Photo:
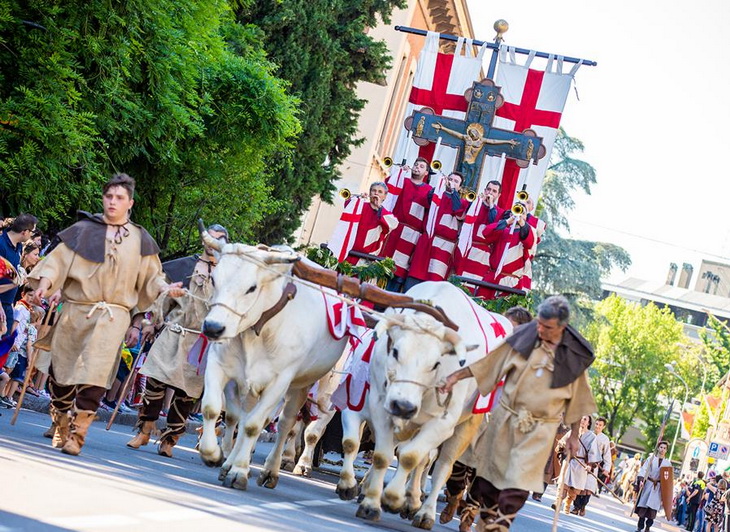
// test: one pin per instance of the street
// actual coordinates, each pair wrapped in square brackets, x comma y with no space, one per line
[111,487]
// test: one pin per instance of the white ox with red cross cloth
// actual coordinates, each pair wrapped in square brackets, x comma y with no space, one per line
[295,348]
[412,355]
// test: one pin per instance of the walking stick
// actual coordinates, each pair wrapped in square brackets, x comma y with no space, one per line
[561,486]
[31,365]
[599,480]
[125,386]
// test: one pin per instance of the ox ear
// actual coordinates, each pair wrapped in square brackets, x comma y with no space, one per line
[381,328]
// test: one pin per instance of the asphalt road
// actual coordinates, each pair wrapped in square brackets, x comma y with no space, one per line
[112,488]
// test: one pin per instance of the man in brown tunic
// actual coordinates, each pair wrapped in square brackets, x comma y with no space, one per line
[168,364]
[104,267]
[544,364]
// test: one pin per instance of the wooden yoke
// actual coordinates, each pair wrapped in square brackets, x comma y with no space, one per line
[353,287]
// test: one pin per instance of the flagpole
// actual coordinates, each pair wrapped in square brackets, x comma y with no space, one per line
[500,27]
[495,46]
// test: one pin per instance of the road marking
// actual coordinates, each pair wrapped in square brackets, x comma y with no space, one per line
[314,502]
[174,515]
[280,506]
[95,521]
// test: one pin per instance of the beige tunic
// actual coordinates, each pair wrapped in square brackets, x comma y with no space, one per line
[167,360]
[511,458]
[86,343]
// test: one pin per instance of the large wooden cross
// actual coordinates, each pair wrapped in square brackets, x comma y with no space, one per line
[474,136]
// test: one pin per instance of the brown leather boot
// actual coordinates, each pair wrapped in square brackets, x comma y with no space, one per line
[143,436]
[452,503]
[166,445]
[80,423]
[50,431]
[62,422]
[468,514]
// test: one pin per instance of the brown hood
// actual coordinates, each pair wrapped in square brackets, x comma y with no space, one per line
[87,237]
[572,356]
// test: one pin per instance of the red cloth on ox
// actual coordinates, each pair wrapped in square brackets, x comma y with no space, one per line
[434,255]
[372,230]
[474,262]
[508,243]
[410,210]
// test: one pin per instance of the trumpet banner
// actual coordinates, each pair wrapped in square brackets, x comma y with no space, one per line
[533,99]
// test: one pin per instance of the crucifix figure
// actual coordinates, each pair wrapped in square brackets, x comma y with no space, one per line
[475,137]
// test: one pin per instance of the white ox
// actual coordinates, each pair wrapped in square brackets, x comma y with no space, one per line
[410,358]
[294,350]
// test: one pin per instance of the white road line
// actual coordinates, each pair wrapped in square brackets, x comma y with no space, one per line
[186,514]
[95,521]
[313,502]
[280,506]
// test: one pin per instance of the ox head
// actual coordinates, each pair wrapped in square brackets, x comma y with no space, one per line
[247,281]
[415,346]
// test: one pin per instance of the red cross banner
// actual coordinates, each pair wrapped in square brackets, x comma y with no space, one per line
[533,99]
[343,238]
[439,83]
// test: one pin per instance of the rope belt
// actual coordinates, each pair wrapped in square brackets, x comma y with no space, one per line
[526,422]
[103,306]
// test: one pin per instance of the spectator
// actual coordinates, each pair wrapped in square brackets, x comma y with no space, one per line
[18,231]
[681,502]
[26,336]
[693,500]
[715,509]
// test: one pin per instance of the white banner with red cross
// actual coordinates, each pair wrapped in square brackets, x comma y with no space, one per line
[440,82]
[533,99]
[343,237]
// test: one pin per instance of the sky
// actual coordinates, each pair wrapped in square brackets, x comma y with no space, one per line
[654,116]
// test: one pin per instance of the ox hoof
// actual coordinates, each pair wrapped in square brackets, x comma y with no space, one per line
[223,473]
[392,505]
[347,494]
[288,465]
[267,479]
[214,460]
[408,513]
[302,471]
[360,498]
[370,514]
[423,521]
[238,481]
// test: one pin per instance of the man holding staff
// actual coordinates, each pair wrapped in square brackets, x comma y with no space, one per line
[544,365]
[104,267]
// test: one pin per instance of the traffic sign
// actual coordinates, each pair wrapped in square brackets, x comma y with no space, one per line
[719,451]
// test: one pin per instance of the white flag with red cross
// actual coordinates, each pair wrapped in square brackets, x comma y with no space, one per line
[343,237]
[533,99]
[440,82]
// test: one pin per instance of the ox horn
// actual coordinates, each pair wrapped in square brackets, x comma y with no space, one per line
[281,258]
[206,238]
[451,336]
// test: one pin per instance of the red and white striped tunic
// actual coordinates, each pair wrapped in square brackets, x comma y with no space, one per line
[410,210]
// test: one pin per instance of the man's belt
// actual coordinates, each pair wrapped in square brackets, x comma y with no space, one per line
[526,422]
[103,306]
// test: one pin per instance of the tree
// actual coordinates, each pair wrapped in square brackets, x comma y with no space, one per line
[323,49]
[563,265]
[632,345]
[716,340]
[177,94]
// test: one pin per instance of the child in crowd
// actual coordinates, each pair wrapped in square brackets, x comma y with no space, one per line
[24,340]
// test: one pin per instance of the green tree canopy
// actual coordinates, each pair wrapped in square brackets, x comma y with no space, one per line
[323,49]
[629,379]
[177,94]
[563,265]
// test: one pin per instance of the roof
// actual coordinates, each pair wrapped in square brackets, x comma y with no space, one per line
[672,295]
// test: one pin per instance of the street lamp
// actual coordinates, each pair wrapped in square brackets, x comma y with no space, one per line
[673,371]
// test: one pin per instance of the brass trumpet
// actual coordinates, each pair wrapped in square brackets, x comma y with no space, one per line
[436,165]
[387,162]
[518,209]
[522,195]
[345,193]
[469,195]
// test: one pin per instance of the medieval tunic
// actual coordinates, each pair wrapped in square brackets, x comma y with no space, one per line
[588,453]
[97,299]
[167,360]
[604,463]
[519,437]
[410,210]
[434,255]
[512,244]
[476,262]
[651,494]
[373,228]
